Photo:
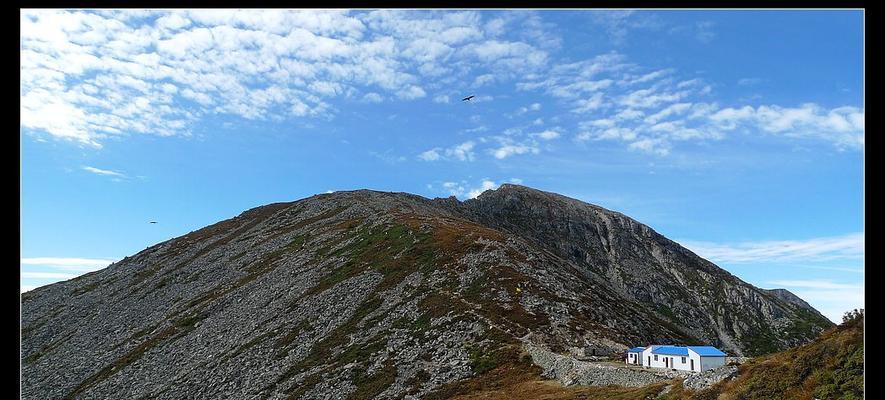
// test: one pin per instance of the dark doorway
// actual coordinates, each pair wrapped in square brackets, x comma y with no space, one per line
[692,365]
[666,362]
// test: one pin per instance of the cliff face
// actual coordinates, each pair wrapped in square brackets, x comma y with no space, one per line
[368,294]
[700,299]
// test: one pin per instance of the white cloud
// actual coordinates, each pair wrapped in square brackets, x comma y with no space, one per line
[441,99]
[850,246]
[463,190]
[673,109]
[460,152]
[463,151]
[832,299]
[89,264]
[548,134]
[815,284]
[658,146]
[177,68]
[619,23]
[507,150]
[54,269]
[843,126]
[47,275]
[373,98]
[486,185]
[104,172]
[430,155]
[704,32]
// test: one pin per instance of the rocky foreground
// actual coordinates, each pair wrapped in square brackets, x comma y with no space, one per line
[369,294]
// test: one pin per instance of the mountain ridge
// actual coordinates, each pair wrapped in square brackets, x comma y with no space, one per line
[367,294]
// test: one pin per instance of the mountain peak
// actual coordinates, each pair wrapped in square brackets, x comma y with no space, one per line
[369,294]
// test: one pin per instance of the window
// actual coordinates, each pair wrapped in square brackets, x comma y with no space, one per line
[656,357]
[683,360]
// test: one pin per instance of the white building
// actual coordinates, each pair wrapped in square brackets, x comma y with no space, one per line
[685,358]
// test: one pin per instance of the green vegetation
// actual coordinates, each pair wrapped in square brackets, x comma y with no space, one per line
[127,359]
[296,392]
[283,343]
[831,367]
[85,289]
[322,352]
[246,346]
[370,386]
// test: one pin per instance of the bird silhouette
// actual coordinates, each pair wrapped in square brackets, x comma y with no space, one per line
[153,222]
[468,98]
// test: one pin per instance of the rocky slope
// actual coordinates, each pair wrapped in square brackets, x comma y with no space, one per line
[368,294]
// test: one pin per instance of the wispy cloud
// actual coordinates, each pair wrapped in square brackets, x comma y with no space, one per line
[749,81]
[388,157]
[158,72]
[815,284]
[619,24]
[508,147]
[66,263]
[549,134]
[39,271]
[464,190]
[105,172]
[831,298]
[704,31]
[460,152]
[850,246]
[46,275]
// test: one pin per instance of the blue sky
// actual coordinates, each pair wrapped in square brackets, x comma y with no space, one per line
[739,134]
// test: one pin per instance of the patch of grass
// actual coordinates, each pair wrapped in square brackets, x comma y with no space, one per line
[296,392]
[85,289]
[361,352]
[484,358]
[370,386]
[512,370]
[163,282]
[143,273]
[415,382]
[283,343]
[831,367]
[128,358]
[189,322]
[246,346]
[322,352]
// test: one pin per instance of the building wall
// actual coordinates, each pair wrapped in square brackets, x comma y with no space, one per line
[711,362]
[637,361]
[659,363]
[676,361]
[697,361]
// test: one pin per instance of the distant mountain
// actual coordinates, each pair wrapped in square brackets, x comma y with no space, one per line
[791,298]
[367,294]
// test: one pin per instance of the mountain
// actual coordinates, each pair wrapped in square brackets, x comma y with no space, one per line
[366,294]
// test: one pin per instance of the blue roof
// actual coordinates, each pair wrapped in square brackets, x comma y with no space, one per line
[636,350]
[670,350]
[706,351]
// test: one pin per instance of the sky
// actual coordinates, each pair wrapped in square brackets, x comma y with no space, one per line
[739,134]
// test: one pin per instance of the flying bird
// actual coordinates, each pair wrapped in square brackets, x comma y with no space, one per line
[468,98]
[153,222]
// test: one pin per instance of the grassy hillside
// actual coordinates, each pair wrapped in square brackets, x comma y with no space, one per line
[831,367]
